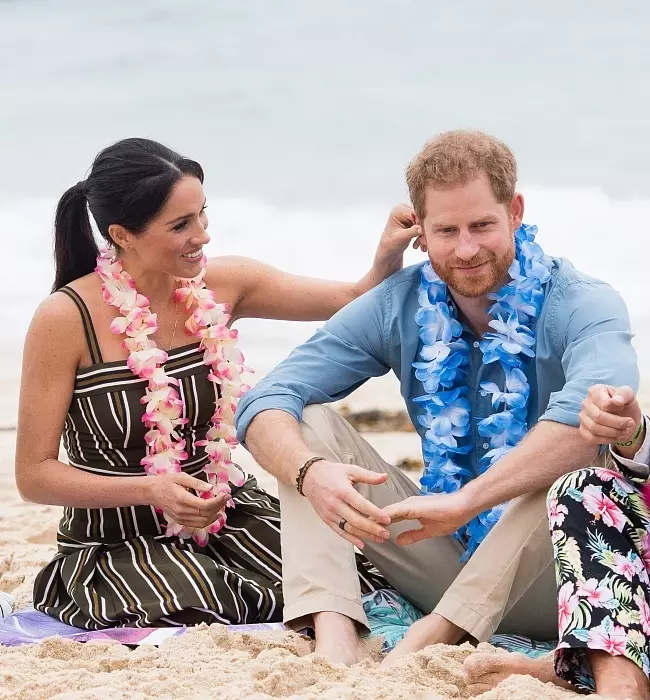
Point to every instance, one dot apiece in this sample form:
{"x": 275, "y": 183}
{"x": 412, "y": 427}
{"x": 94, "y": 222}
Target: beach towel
{"x": 389, "y": 616}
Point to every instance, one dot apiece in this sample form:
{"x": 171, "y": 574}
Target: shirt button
{"x": 476, "y": 343}
{"x": 483, "y": 392}
{"x": 486, "y": 445}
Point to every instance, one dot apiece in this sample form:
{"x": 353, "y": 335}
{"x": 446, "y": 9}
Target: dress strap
{"x": 89, "y": 329}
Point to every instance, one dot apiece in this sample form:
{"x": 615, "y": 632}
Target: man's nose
{"x": 467, "y": 247}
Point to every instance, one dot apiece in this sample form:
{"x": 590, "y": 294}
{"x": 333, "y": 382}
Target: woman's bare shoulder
{"x": 57, "y": 317}
{"x": 229, "y": 267}
{"x": 229, "y": 276}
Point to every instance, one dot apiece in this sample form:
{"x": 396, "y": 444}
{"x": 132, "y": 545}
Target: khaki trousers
{"x": 507, "y": 586}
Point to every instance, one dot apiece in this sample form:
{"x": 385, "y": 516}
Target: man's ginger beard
{"x": 489, "y": 280}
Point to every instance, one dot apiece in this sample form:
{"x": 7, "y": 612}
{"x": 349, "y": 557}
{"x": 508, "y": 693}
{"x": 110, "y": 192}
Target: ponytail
{"x": 75, "y": 249}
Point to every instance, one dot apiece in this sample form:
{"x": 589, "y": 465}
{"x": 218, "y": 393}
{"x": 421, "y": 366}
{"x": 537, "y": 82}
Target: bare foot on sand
{"x": 432, "y": 629}
{"x": 485, "y": 671}
{"x": 337, "y": 639}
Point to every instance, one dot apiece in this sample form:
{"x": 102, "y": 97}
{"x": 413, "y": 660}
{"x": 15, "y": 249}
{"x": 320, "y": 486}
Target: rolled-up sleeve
{"x": 338, "y": 358}
{"x": 590, "y": 326}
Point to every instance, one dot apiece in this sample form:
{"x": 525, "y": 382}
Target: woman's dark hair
{"x": 128, "y": 184}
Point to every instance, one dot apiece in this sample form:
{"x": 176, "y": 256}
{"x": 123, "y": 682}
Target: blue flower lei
{"x": 444, "y": 357}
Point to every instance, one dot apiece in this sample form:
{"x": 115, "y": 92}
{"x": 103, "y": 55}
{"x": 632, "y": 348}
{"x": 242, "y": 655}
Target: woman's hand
{"x": 171, "y": 493}
{"x": 439, "y": 514}
{"x": 399, "y": 231}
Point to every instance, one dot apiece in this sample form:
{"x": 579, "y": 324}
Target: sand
{"x": 208, "y": 662}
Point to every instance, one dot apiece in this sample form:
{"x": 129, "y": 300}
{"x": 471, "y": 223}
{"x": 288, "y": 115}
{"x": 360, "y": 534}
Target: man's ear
{"x": 517, "y": 209}
{"x": 421, "y": 241}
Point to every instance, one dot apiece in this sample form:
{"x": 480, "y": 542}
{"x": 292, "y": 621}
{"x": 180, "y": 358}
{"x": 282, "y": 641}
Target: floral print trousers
{"x": 600, "y": 529}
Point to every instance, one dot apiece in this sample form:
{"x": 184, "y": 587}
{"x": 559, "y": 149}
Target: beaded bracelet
{"x": 302, "y": 472}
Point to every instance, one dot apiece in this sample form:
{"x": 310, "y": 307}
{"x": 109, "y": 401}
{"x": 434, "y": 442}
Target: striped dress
{"x": 115, "y": 566}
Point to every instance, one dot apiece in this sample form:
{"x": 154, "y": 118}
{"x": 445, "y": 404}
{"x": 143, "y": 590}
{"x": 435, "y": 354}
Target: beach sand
{"x": 208, "y": 662}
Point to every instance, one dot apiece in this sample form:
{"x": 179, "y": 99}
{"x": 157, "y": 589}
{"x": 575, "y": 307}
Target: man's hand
{"x": 329, "y": 487}
{"x": 609, "y": 414}
{"x": 439, "y": 514}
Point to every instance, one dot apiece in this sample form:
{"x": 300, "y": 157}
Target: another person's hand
{"x": 439, "y": 514}
{"x": 609, "y": 415}
{"x": 329, "y": 487}
{"x": 399, "y": 231}
{"x": 171, "y": 493}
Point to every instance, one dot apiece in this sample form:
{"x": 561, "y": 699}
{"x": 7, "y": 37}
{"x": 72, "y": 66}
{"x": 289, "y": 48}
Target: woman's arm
{"x": 263, "y": 291}
{"x": 52, "y": 352}
{"x": 53, "y": 348}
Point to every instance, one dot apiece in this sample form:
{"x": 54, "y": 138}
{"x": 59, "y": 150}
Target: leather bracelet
{"x": 302, "y": 472}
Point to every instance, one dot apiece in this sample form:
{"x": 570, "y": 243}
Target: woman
{"x": 159, "y": 527}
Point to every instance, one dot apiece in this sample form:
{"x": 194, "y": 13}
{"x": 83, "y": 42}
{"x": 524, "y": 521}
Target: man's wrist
{"x": 303, "y": 471}
{"x": 467, "y": 501}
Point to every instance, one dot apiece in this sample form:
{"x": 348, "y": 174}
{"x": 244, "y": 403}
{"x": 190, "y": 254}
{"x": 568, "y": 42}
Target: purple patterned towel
{"x": 389, "y": 614}
{"x": 29, "y": 626}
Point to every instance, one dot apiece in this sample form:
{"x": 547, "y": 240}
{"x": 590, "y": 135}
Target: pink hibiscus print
{"x": 605, "y": 474}
{"x": 628, "y": 566}
{"x": 556, "y": 512}
{"x": 608, "y": 637}
{"x": 644, "y": 612}
{"x": 645, "y": 549}
{"x": 596, "y": 593}
{"x": 567, "y": 603}
{"x": 601, "y": 506}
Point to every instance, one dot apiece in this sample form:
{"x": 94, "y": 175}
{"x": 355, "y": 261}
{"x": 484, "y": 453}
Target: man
{"x": 473, "y": 394}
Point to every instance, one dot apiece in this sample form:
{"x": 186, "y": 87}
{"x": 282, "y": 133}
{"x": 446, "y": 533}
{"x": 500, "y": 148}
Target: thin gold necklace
{"x": 171, "y": 343}
{"x": 174, "y": 332}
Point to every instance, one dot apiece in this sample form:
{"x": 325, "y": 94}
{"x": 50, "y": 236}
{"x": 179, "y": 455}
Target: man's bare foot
{"x": 337, "y": 639}
{"x": 432, "y": 629}
{"x": 485, "y": 671}
{"x": 618, "y": 678}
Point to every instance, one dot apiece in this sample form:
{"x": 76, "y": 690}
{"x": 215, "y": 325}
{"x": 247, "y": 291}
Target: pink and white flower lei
{"x": 208, "y": 321}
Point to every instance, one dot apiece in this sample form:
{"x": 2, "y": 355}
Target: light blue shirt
{"x": 583, "y": 337}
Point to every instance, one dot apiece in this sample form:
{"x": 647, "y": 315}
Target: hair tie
{"x": 82, "y": 188}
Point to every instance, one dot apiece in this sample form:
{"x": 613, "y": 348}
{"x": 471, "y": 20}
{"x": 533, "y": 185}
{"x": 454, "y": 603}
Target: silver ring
{"x": 342, "y": 522}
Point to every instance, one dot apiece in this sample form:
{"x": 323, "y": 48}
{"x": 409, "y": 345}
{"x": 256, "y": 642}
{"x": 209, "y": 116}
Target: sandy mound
{"x": 209, "y": 662}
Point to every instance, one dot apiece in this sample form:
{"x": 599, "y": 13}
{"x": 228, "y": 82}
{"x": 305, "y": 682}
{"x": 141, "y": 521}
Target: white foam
{"x": 603, "y": 236}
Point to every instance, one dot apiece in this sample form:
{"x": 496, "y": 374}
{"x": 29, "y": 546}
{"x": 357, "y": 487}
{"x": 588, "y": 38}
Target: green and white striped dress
{"x": 114, "y": 566}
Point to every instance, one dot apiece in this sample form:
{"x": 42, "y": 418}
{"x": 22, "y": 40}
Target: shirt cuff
{"x": 641, "y": 461}
{"x": 266, "y": 402}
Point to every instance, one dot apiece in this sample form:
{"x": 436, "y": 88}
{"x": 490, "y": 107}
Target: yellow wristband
{"x": 634, "y": 438}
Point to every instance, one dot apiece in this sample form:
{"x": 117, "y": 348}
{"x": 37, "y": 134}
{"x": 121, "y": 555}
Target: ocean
{"x": 304, "y": 115}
